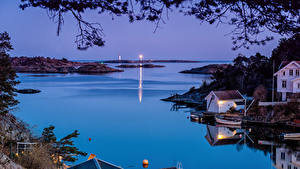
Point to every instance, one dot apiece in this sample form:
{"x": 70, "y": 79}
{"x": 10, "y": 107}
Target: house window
{"x": 282, "y": 166}
{"x": 297, "y": 72}
{"x": 291, "y": 72}
{"x": 298, "y": 85}
{"x": 282, "y": 156}
{"x": 283, "y": 73}
{"x": 295, "y": 168}
{"x": 289, "y": 167}
{"x": 284, "y": 84}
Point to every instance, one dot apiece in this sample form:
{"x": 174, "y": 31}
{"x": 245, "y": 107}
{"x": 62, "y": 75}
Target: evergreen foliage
{"x": 247, "y": 73}
{"x": 7, "y": 76}
{"x": 62, "y": 149}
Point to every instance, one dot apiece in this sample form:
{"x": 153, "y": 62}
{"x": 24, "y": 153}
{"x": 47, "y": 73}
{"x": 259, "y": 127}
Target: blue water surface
{"x": 127, "y": 122}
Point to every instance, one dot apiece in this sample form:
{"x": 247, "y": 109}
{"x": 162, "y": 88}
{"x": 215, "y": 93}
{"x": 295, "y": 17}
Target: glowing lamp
{"x": 220, "y": 102}
{"x": 141, "y": 56}
{"x": 60, "y": 158}
{"x": 220, "y": 136}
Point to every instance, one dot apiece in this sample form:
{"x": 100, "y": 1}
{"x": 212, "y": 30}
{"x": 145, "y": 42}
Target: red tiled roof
{"x": 228, "y": 94}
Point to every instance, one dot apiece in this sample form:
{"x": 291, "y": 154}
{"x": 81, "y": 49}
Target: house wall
{"x": 222, "y": 106}
{"x": 225, "y": 106}
{"x": 214, "y": 107}
{"x": 295, "y": 86}
{"x": 296, "y": 160}
{"x": 213, "y": 104}
{"x": 287, "y": 77}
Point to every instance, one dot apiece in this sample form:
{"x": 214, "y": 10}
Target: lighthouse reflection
{"x": 140, "y": 91}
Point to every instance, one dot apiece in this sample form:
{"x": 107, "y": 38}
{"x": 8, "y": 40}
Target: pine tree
{"x": 7, "y": 76}
{"x": 48, "y": 135}
{"x": 62, "y": 149}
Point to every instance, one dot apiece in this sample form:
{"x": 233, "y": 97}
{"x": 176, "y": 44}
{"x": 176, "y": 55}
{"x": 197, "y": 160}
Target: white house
{"x": 288, "y": 80}
{"x": 222, "y": 101}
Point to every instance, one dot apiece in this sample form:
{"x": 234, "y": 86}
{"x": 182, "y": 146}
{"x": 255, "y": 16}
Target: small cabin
{"x": 222, "y": 101}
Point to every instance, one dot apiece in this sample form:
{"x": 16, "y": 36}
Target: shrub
{"x": 38, "y": 158}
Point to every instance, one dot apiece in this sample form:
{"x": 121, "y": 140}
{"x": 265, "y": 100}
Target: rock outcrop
{"x": 209, "y": 69}
{"x": 28, "y": 91}
{"x": 50, "y": 65}
{"x": 7, "y": 163}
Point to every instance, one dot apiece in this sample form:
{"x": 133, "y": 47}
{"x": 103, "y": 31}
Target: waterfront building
{"x": 222, "y": 101}
{"x": 288, "y": 80}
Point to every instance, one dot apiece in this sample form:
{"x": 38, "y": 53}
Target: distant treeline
{"x": 247, "y": 73}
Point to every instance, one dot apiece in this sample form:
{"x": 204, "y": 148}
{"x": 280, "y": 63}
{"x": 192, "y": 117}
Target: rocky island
{"x": 28, "y": 91}
{"x": 51, "y": 65}
{"x": 138, "y": 66}
{"x": 209, "y": 69}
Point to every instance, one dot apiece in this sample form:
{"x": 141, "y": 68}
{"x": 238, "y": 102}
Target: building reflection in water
{"x": 285, "y": 155}
{"x": 140, "y": 91}
{"x": 222, "y": 135}
{"x": 287, "y": 158}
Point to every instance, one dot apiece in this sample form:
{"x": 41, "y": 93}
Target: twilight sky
{"x": 182, "y": 37}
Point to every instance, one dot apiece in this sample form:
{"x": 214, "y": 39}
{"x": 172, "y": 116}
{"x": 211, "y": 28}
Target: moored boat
{"x": 194, "y": 117}
{"x": 228, "y": 121}
{"x": 291, "y": 136}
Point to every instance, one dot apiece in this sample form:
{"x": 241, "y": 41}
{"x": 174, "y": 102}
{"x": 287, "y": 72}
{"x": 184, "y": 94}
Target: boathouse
{"x": 288, "y": 80}
{"x": 222, "y": 101}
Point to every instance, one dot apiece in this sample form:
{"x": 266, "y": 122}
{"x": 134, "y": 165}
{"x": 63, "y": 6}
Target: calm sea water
{"x": 123, "y": 115}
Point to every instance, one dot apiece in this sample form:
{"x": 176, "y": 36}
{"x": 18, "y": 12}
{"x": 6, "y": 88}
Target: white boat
{"x": 228, "y": 122}
{"x": 194, "y": 117}
{"x": 291, "y": 136}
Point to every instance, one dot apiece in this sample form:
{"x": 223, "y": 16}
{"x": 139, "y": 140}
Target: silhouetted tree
{"x": 7, "y": 76}
{"x": 287, "y": 50}
{"x": 245, "y": 74}
{"x": 48, "y": 135}
{"x": 248, "y": 17}
{"x": 64, "y": 147}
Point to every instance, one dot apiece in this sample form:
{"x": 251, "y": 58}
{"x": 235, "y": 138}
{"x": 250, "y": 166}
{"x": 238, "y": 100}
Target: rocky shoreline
{"x": 209, "y": 69}
{"x": 51, "y": 65}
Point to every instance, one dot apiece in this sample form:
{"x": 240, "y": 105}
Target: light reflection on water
{"x": 140, "y": 84}
{"x": 125, "y": 130}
